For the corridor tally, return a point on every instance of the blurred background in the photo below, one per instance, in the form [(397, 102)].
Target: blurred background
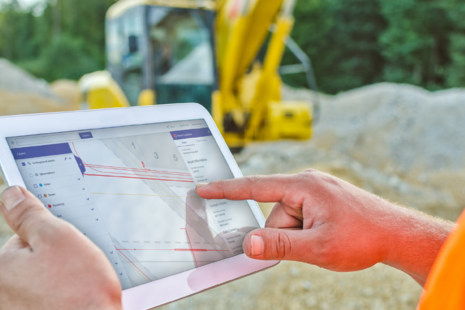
[(388, 113)]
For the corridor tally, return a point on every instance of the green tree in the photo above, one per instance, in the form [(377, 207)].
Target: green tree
[(65, 41), (64, 58), (456, 70), (341, 37), (17, 28), (416, 42)]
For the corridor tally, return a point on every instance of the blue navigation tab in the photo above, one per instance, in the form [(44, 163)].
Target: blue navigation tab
[(86, 135), (191, 133), (41, 151)]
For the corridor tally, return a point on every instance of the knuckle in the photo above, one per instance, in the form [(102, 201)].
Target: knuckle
[(311, 174), (282, 246), (309, 171), (27, 215), (221, 184), (254, 179), (252, 182)]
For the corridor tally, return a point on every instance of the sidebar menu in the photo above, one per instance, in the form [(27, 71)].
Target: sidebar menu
[(56, 177)]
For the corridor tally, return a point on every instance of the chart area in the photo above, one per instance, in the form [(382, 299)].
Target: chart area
[(134, 197)]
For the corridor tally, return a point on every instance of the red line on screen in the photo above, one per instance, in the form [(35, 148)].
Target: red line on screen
[(133, 264), (138, 178), (190, 246)]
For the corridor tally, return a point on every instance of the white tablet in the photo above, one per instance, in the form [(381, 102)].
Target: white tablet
[(126, 178)]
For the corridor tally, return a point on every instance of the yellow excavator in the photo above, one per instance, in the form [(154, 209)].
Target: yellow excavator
[(225, 55)]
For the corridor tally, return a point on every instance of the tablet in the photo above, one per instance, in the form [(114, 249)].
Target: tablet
[(126, 178)]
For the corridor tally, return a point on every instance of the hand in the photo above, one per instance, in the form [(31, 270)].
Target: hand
[(324, 221), (49, 264)]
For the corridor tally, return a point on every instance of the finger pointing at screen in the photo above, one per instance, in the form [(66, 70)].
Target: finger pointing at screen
[(49, 264), (322, 220)]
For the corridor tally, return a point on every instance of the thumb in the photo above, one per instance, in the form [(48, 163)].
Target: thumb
[(277, 244), (26, 215)]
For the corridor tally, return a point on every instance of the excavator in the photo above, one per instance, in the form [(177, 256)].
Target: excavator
[(225, 55)]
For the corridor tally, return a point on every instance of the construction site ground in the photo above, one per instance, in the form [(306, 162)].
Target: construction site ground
[(398, 141)]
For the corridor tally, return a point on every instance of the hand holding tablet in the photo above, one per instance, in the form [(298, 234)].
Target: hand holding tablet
[(43, 263), (126, 179)]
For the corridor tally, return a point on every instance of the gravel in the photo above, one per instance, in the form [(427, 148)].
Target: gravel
[(22, 93), (394, 126), (15, 79)]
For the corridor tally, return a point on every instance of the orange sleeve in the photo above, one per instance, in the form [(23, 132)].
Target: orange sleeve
[(445, 287)]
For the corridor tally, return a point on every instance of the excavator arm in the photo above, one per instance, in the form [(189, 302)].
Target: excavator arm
[(248, 102)]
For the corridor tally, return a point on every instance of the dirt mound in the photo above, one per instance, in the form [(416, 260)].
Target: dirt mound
[(22, 93), (68, 90), (12, 103), (15, 79), (397, 127)]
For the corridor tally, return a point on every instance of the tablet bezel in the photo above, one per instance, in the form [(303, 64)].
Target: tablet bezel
[(168, 289)]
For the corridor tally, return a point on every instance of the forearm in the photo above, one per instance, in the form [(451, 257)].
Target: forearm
[(414, 240)]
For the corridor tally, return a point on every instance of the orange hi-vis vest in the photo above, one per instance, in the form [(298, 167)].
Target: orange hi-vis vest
[(445, 287)]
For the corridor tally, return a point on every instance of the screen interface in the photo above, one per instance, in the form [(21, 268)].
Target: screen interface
[(131, 190)]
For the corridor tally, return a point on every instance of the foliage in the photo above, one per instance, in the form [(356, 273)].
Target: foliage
[(65, 41), (351, 42), (360, 42), (64, 58)]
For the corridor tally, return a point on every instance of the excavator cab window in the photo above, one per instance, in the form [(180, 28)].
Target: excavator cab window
[(125, 56), (183, 60)]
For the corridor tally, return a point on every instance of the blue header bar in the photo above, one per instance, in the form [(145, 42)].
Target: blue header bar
[(191, 133), (41, 151), (86, 135)]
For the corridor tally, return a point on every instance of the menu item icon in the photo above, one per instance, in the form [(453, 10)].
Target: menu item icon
[(36, 186), (23, 164)]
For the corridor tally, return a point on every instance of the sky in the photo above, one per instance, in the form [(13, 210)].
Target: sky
[(26, 3), (29, 3)]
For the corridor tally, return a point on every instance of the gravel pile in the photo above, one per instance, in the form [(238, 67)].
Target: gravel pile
[(15, 79), (394, 127), (22, 93)]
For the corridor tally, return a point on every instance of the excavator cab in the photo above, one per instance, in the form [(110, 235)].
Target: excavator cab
[(168, 50), (205, 51)]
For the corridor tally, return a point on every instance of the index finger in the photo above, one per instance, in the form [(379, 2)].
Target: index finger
[(271, 188)]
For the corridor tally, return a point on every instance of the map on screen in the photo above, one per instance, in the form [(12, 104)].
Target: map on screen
[(131, 190)]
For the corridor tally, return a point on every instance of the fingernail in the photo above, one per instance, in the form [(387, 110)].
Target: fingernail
[(12, 197), (200, 185), (257, 245)]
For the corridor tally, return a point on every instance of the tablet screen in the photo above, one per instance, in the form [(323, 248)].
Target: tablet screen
[(131, 190)]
